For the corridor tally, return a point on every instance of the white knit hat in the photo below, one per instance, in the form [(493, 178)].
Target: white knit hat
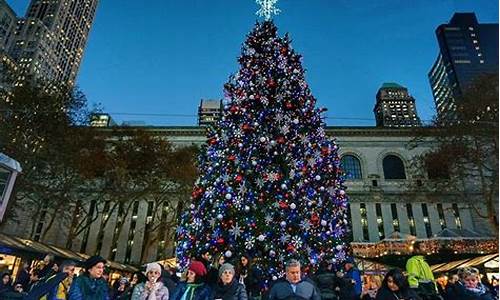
[(153, 267)]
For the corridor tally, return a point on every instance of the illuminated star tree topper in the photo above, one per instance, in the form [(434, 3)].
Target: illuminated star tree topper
[(267, 9)]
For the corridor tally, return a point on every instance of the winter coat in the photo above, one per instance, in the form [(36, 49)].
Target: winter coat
[(304, 290), (49, 289), (325, 282), (86, 288), (141, 293), (251, 278), (354, 274), (344, 288), (232, 291), (459, 291), (385, 294), (418, 271), (201, 291)]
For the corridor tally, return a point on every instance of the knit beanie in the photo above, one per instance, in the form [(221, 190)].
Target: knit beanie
[(153, 267), (226, 267), (198, 268)]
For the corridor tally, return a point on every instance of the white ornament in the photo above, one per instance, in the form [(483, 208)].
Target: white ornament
[(283, 223), (262, 139), (318, 178), (323, 223), (272, 253), (274, 278), (293, 206), (261, 237), (219, 216), (283, 186), (228, 254), (295, 121), (229, 196), (247, 208), (254, 162), (192, 206)]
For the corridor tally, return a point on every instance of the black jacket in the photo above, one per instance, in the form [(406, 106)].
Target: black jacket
[(385, 294), (232, 291), (458, 291), (325, 282)]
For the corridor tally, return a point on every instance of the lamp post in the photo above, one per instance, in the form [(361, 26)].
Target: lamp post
[(9, 169)]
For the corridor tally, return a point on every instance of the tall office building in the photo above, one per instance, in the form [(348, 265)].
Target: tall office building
[(209, 112), (467, 49), (50, 40), (395, 107)]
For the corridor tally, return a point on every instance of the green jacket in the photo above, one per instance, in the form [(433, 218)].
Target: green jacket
[(418, 270)]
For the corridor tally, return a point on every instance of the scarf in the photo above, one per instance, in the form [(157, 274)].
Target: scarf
[(479, 290), (189, 293)]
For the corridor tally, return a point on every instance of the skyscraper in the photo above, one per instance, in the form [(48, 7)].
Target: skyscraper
[(467, 49), (395, 107), (50, 40)]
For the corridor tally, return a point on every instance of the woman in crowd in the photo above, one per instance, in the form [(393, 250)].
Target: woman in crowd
[(228, 288), (469, 286), (121, 289), (5, 284), (153, 289), (195, 287), (213, 273), (90, 285), (395, 287), (371, 288), (248, 275)]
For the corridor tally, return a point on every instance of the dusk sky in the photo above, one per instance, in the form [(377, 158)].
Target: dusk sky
[(149, 60)]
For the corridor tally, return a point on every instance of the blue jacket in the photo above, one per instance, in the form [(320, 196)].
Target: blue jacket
[(354, 274), (304, 290), (85, 288), (201, 292)]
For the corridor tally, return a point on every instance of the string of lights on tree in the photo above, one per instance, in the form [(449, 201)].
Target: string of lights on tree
[(270, 183)]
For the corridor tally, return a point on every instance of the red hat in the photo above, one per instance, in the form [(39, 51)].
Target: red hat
[(198, 268)]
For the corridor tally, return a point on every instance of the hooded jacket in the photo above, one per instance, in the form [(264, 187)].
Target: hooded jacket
[(418, 270)]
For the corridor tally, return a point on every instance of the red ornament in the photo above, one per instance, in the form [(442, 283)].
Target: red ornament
[(289, 105), (314, 218), (213, 141), (247, 127), (271, 83), (220, 241), (231, 157), (290, 248), (280, 140), (239, 178), (233, 109), (283, 204)]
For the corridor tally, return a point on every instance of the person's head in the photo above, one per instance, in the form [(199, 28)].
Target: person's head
[(348, 263), (123, 282), (26, 265), (48, 259), (5, 278), (34, 275), (219, 260), (206, 256), (153, 272), (137, 277), (292, 270), (94, 266), (196, 272), (18, 287), (469, 277), (494, 281), (226, 273), (453, 278), (244, 260), (395, 281), (375, 282), (68, 267), (442, 280)]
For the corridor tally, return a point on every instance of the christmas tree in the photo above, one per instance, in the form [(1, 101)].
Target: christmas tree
[(270, 182)]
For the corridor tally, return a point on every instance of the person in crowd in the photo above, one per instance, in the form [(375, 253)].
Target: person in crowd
[(23, 276), (34, 279), (90, 285), (325, 279), (441, 283), (469, 286), (352, 273), (121, 289), (137, 277), (57, 286), (228, 288), (153, 288), (168, 279), (16, 293), (5, 284), (494, 286), (47, 266), (450, 286), (420, 275), (371, 288), (195, 286), (249, 276), (344, 287), (395, 287), (293, 287), (213, 272)]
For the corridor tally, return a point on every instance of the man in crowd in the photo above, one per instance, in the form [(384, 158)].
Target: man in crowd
[(420, 275), (294, 287)]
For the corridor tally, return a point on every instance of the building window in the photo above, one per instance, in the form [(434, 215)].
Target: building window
[(442, 220), (411, 219), (456, 213), (352, 167), (395, 220), (427, 222), (131, 232), (364, 221), (380, 221), (393, 167)]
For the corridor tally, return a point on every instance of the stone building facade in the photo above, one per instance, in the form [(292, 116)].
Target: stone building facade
[(387, 193)]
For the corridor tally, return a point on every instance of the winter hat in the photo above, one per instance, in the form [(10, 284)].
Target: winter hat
[(123, 280), (92, 261), (153, 267), (198, 268), (226, 267)]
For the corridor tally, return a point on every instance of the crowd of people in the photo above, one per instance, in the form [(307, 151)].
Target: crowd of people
[(218, 279)]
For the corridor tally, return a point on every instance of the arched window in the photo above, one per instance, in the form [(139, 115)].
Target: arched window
[(351, 167), (393, 167)]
